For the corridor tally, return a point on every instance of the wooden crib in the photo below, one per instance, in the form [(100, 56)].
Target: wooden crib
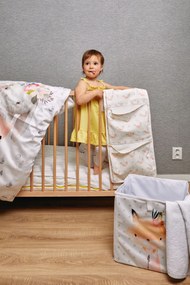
[(60, 154)]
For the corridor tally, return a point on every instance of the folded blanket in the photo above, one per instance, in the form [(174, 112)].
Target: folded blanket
[(178, 238)]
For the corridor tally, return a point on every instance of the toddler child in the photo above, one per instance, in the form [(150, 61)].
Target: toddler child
[(90, 89)]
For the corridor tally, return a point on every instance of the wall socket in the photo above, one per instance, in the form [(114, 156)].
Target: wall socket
[(177, 153)]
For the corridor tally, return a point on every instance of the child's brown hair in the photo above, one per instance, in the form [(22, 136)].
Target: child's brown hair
[(91, 52)]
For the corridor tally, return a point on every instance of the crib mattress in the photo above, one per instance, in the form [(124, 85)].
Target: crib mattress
[(60, 171)]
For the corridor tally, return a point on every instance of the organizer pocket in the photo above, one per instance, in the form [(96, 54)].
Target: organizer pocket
[(125, 110), (127, 148), (131, 158), (128, 124)]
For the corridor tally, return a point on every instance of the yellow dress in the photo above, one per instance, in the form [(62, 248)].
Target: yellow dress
[(81, 135)]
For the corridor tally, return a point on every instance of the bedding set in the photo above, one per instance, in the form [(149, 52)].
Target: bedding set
[(22, 129), (27, 109)]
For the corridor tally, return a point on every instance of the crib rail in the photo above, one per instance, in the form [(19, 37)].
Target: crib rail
[(61, 124)]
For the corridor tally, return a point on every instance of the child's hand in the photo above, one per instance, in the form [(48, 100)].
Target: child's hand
[(99, 94)]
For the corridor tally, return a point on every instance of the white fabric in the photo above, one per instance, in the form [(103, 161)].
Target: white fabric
[(129, 133), (154, 188), (20, 144), (60, 171), (178, 238)]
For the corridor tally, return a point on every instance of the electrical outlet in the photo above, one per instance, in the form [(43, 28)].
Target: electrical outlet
[(177, 153)]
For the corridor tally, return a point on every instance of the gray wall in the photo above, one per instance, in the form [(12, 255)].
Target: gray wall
[(146, 44)]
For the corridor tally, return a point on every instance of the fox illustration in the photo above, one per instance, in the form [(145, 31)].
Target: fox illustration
[(150, 236)]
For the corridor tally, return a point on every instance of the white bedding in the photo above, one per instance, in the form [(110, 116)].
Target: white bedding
[(23, 128), (60, 168)]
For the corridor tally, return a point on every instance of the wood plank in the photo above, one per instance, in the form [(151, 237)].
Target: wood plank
[(50, 243)]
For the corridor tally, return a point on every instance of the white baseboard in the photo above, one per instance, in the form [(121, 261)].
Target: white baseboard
[(175, 176)]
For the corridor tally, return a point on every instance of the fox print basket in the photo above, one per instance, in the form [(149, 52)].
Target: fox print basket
[(140, 221)]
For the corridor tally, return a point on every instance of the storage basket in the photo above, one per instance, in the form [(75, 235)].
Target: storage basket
[(140, 220)]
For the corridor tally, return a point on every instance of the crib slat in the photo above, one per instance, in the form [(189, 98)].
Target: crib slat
[(77, 146), (111, 186), (77, 166), (43, 164), (66, 144), (89, 147), (57, 129), (32, 180), (54, 151), (100, 144), (48, 135)]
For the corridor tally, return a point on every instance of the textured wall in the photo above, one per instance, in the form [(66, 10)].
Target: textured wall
[(146, 44)]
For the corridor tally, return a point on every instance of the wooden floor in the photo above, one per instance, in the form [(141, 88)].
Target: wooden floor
[(46, 241)]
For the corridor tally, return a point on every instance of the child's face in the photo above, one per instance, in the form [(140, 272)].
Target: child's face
[(92, 67)]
